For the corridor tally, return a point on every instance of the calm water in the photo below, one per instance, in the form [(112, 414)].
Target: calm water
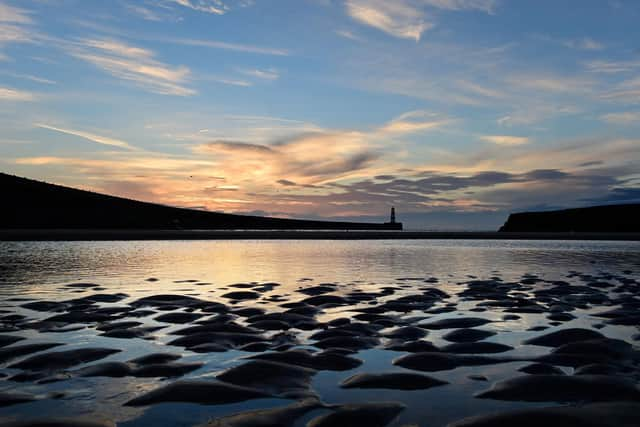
[(39, 270), (38, 266)]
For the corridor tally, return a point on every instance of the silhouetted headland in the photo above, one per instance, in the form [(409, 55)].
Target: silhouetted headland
[(41, 211), (595, 219), (33, 204)]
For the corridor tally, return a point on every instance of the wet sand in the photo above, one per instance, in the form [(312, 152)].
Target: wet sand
[(95, 235), (532, 349)]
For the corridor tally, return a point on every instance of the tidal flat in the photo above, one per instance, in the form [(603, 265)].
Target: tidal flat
[(320, 333)]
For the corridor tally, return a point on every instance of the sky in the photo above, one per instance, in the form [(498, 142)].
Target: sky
[(456, 112)]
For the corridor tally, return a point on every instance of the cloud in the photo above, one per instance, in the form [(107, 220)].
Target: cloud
[(341, 154), (16, 26), (138, 175), (9, 94), (214, 44), (612, 67), (405, 19), (145, 13), (478, 89), (215, 7), (349, 35), (552, 83), (118, 48), (591, 163), (505, 139), (235, 147), (536, 112), (225, 80), (10, 33), (618, 195), (627, 92), (30, 77), (622, 118), (274, 178), (399, 19), (267, 74), (350, 172), (584, 43), (485, 78), (286, 182), (14, 14), (413, 121), (458, 5), (134, 64), (89, 136), (484, 191), (561, 155)]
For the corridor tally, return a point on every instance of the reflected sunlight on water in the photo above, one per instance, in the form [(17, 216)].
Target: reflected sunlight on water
[(223, 262)]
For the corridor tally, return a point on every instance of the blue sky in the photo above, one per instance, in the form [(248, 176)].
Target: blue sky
[(455, 111)]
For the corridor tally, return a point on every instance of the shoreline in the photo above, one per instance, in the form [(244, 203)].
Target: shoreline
[(106, 235), (377, 345)]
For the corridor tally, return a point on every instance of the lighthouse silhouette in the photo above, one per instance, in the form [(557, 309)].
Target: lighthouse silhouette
[(392, 224)]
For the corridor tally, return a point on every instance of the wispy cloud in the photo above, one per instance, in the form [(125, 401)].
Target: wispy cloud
[(15, 25), (536, 112), (349, 35), (9, 94), (478, 89), (505, 139), (548, 82), (228, 81), (625, 92), (14, 14), (105, 140), (584, 43), (612, 66), (581, 43), (267, 74), (622, 118), (28, 77), (238, 47), (487, 6), (14, 34), (313, 157), (134, 64), (413, 121), (215, 7), (298, 157), (399, 19), (145, 13), (406, 19)]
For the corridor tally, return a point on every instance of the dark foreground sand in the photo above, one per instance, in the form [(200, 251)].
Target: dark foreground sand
[(88, 235), (578, 374)]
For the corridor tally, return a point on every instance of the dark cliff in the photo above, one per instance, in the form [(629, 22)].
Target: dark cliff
[(30, 204), (602, 219)]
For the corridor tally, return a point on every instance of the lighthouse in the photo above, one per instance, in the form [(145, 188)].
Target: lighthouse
[(392, 224)]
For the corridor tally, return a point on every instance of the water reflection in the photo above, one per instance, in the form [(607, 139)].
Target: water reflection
[(25, 264)]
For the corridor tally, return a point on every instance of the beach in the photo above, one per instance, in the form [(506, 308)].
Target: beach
[(320, 333)]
